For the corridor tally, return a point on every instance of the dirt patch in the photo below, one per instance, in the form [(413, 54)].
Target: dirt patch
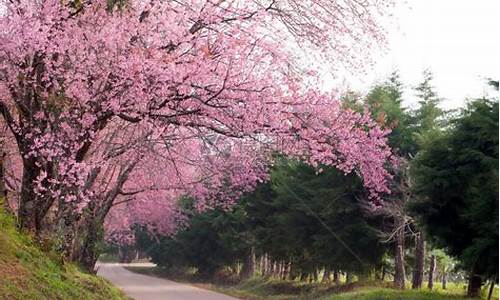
[(12, 275), (11, 271)]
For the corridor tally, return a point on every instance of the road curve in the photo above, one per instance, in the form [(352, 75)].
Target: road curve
[(143, 287)]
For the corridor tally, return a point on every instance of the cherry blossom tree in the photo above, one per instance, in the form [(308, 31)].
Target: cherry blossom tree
[(139, 102)]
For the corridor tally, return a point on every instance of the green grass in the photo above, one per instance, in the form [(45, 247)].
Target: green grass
[(454, 291), (270, 289), (258, 288), (28, 273), (380, 293)]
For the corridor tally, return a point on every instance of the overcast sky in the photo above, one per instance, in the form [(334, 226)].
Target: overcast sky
[(458, 40)]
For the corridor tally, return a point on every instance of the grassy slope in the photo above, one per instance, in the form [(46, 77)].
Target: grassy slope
[(259, 289), (28, 273)]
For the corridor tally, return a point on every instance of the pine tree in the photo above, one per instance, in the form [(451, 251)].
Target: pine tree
[(456, 178)]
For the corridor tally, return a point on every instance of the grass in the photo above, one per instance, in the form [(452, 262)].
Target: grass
[(379, 293), (29, 273), (259, 288)]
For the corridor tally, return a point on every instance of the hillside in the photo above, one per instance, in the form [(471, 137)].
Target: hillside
[(28, 273)]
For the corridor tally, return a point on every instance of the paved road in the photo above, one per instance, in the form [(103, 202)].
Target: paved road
[(142, 287)]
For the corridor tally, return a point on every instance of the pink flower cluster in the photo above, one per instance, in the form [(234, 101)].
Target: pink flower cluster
[(130, 108)]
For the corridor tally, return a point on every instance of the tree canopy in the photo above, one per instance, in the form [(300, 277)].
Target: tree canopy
[(140, 102), (456, 178)]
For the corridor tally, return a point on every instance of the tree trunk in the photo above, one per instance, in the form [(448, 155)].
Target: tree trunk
[(284, 265), (292, 273), (492, 286), (286, 270), (474, 286), (315, 275), (248, 269), (418, 272), (399, 259), (88, 232), (281, 269), (326, 276), (142, 254), (261, 265), (267, 266), (67, 227), (126, 255), (383, 273), (28, 216), (3, 189), (86, 251), (274, 268), (33, 206), (432, 269), (444, 278), (378, 273), (336, 277)]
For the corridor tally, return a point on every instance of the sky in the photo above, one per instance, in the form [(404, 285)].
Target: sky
[(458, 40)]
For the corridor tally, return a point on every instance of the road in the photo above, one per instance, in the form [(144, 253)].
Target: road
[(142, 287)]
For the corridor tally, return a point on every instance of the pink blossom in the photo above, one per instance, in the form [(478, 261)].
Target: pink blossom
[(133, 109)]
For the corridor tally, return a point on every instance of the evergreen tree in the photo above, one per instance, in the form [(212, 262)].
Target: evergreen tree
[(428, 116), (315, 220), (211, 240), (385, 103), (456, 178)]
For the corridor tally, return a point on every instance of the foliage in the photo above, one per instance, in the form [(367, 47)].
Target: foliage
[(428, 116), (312, 220), (456, 177), (315, 220), (212, 239), (140, 102), (385, 102)]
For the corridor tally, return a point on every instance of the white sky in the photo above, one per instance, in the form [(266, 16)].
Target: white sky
[(458, 40)]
